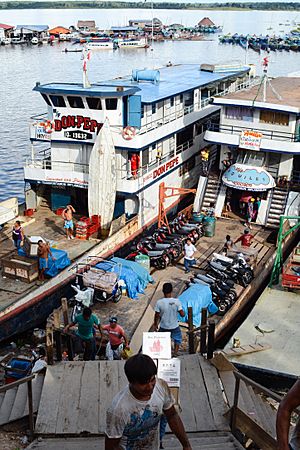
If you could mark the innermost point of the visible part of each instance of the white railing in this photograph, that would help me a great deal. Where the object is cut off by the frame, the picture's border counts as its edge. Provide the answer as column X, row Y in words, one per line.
column 47, row 164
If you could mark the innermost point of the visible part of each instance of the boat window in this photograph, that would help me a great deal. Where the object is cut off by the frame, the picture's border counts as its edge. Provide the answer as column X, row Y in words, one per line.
column 172, row 102
column 75, row 102
column 58, row 100
column 187, row 166
column 153, row 108
column 239, row 113
column 251, row 158
column 142, row 111
column 274, row 117
column 94, row 102
column 111, row 103
column 188, row 98
column 45, row 97
column 198, row 128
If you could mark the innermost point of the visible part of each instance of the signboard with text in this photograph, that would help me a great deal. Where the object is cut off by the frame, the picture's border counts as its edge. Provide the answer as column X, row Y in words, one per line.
column 250, row 140
column 169, row 370
column 157, row 345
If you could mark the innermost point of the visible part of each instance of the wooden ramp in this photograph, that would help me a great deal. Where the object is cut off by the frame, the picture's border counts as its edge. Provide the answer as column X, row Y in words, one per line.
column 14, row 402
column 76, row 396
column 199, row 441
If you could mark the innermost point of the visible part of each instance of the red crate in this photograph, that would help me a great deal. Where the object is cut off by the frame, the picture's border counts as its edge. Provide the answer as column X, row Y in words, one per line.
column 95, row 219
column 59, row 211
column 29, row 212
column 86, row 220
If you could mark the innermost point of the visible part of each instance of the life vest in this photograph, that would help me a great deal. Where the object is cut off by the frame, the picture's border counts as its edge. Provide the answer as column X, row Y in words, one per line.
column 128, row 133
column 134, row 163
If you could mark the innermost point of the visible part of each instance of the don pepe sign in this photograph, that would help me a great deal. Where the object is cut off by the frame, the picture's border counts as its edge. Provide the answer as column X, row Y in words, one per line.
column 250, row 140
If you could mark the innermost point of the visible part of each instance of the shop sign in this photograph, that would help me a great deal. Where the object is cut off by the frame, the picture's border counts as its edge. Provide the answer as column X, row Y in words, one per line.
column 157, row 345
column 241, row 176
column 250, row 140
column 169, row 370
column 41, row 134
column 164, row 168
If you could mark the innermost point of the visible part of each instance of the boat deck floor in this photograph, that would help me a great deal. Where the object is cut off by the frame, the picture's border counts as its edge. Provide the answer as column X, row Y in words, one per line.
column 48, row 225
column 129, row 311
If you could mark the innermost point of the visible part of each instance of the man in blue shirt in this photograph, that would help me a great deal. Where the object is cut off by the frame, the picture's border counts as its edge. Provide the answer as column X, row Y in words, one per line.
column 85, row 331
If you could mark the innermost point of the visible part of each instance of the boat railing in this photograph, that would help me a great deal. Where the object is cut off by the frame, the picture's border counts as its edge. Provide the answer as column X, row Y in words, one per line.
column 238, row 417
column 48, row 164
column 273, row 135
column 41, row 116
column 143, row 170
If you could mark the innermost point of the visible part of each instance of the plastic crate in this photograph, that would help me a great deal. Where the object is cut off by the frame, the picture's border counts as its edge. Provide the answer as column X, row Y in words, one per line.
column 86, row 220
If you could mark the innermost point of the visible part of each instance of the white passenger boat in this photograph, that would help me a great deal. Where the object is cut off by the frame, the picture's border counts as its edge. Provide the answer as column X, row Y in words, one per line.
column 133, row 43
column 157, row 119
column 100, row 45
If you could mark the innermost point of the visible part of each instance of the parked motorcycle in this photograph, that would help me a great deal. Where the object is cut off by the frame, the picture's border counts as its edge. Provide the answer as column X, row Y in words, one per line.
column 158, row 259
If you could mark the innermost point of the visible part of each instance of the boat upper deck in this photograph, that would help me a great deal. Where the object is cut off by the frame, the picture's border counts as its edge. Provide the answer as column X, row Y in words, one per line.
column 174, row 80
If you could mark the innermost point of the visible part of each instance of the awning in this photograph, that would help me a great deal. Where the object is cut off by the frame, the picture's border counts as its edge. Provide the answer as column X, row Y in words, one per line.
column 248, row 178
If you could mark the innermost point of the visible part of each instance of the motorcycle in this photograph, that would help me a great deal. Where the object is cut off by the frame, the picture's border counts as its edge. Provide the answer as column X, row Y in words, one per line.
column 172, row 249
column 158, row 259
column 83, row 298
column 234, row 272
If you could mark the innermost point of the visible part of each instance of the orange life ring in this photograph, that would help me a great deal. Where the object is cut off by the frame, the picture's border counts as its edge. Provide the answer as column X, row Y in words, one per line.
column 128, row 133
column 48, row 126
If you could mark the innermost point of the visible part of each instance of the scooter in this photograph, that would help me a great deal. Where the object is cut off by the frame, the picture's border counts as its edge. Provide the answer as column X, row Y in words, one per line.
column 239, row 275
column 158, row 259
column 171, row 249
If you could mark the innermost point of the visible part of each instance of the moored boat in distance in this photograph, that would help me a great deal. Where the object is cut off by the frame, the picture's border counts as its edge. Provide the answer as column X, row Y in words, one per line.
column 132, row 43
column 105, row 44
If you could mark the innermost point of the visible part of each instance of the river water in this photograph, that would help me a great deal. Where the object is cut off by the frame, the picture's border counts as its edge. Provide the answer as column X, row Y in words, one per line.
column 22, row 66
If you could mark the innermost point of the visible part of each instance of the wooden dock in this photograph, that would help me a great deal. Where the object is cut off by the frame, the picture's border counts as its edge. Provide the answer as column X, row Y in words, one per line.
column 77, row 394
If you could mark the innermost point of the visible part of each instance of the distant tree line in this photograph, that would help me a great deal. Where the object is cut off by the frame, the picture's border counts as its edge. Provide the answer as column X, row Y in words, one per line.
column 274, row 6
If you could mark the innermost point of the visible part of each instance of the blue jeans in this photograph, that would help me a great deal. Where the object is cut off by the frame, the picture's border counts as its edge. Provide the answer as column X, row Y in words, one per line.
column 162, row 427
column 189, row 263
column 17, row 243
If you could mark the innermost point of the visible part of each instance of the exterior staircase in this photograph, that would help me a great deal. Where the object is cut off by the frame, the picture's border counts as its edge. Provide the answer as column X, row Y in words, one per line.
column 277, row 206
column 14, row 399
column 211, row 190
column 207, row 441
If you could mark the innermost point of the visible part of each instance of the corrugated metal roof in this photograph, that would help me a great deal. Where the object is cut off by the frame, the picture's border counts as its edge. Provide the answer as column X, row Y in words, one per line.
column 33, row 27
column 173, row 81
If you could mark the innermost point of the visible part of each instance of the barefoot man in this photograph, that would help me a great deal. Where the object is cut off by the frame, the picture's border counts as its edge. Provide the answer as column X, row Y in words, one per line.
column 43, row 255
column 68, row 218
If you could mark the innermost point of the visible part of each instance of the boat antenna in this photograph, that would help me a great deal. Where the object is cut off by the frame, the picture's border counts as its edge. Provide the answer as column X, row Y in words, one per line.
column 264, row 82
column 86, row 56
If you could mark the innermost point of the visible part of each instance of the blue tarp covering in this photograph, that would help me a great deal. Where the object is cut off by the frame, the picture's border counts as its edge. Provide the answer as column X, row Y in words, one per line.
column 61, row 261
column 134, row 275
column 197, row 296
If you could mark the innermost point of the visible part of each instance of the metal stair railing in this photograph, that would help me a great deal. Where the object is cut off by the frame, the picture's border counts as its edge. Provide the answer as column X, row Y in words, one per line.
column 15, row 384
column 235, row 411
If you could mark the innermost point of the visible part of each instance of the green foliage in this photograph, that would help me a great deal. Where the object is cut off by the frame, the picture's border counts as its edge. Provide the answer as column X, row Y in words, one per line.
column 27, row 4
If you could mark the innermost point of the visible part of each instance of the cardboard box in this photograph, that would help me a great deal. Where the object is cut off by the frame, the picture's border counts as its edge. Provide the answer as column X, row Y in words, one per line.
column 157, row 345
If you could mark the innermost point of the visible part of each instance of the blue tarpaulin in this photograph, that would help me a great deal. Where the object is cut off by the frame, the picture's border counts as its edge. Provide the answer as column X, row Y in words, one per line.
column 134, row 275
column 61, row 261
column 197, row 296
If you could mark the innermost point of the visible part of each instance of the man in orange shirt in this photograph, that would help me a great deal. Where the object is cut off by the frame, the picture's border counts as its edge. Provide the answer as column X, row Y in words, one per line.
column 117, row 339
column 245, row 238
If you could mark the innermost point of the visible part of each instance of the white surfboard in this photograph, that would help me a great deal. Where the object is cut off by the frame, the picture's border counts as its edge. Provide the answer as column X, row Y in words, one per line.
column 102, row 177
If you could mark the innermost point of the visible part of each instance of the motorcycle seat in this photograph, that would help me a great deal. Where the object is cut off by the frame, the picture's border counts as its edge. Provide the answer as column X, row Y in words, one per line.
column 217, row 266
column 205, row 279
column 153, row 253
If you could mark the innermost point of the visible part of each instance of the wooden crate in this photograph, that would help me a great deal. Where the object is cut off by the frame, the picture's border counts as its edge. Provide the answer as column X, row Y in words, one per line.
column 20, row 267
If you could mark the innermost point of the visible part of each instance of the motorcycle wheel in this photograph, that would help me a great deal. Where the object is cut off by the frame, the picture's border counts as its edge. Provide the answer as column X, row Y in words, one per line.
column 249, row 276
column 161, row 264
column 117, row 296
column 222, row 308
column 232, row 295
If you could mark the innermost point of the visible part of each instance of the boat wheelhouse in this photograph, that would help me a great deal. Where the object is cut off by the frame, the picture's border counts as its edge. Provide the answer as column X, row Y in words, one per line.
column 157, row 120
column 259, row 140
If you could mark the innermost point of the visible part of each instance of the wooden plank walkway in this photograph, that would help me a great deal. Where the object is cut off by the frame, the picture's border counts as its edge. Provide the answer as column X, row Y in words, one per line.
column 199, row 441
column 77, row 394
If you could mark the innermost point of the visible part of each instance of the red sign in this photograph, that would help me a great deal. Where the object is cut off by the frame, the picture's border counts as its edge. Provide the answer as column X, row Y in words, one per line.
column 165, row 167
column 85, row 123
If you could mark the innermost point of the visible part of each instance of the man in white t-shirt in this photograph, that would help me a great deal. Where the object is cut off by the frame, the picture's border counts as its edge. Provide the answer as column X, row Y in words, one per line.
column 290, row 402
column 132, row 421
column 166, row 312
column 189, row 251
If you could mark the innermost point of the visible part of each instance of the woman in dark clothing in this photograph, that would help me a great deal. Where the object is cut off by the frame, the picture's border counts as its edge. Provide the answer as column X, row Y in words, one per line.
column 17, row 234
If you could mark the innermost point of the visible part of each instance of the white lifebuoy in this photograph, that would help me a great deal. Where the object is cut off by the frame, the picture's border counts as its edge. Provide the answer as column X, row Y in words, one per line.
column 128, row 133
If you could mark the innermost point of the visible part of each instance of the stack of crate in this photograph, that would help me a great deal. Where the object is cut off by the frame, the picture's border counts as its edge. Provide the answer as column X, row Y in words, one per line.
column 86, row 226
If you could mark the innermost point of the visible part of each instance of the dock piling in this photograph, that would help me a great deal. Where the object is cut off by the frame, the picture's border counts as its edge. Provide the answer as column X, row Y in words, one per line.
column 191, row 334
column 203, row 331
column 211, row 339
